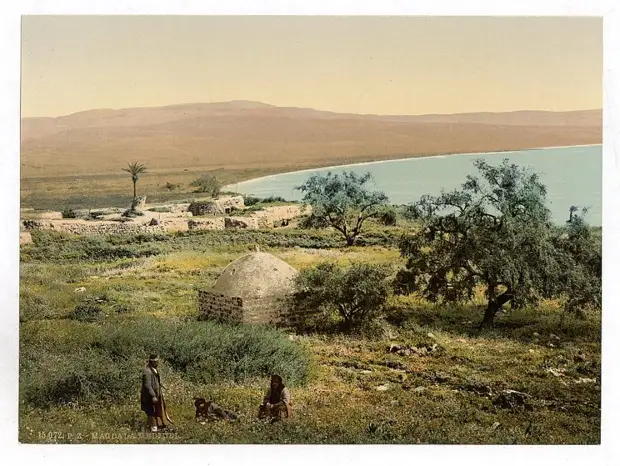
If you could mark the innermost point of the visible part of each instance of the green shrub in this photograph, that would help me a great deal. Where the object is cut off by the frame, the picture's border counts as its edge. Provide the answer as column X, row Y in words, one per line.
column 357, row 293
column 68, row 361
column 388, row 218
column 88, row 310
column 33, row 306
column 68, row 213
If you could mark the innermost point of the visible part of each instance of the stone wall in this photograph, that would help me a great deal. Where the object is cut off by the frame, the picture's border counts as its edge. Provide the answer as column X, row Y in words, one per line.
column 221, row 307
column 83, row 227
column 272, row 216
column 216, row 223
column 269, row 217
column 214, row 305
column 241, row 222
column 204, row 208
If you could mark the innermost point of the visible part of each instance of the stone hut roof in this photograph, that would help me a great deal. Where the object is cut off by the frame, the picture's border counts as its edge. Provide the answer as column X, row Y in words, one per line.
column 256, row 275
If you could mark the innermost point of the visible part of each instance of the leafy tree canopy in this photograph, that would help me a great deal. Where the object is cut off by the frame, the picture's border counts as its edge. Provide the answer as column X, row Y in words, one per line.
column 344, row 201
column 495, row 231
column 357, row 293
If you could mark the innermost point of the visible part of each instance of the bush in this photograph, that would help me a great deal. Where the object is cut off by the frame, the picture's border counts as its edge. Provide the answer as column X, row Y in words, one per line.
column 313, row 222
column 68, row 213
column 251, row 200
column 33, row 306
column 88, row 310
column 357, row 294
column 97, row 363
column 207, row 184
column 388, row 218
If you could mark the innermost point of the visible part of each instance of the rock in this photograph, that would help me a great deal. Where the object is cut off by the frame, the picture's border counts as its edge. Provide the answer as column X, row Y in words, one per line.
column 382, row 388
column 366, row 371
column 551, row 345
column 495, row 425
column 554, row 337
column 419, row 389
column 535, row 334
column 556, row 372
column 394, row 402
column 81, row 289
column 531, row 351
column 511, row 399
column 25, row 237
column 585, row 380
column 430, row 335
column 153, row 222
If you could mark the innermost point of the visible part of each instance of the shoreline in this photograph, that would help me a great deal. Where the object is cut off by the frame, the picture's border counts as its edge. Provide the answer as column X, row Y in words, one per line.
column 231, row 187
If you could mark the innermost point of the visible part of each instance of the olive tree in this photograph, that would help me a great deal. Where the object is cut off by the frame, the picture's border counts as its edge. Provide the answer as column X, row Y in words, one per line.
column 495, row 232
column 343, row 201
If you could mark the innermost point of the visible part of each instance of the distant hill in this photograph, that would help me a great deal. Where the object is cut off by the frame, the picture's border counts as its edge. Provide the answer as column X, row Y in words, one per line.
column 243, row 134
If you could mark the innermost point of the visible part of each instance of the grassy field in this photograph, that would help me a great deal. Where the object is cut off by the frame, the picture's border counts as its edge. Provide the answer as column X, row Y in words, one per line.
column 81, row 353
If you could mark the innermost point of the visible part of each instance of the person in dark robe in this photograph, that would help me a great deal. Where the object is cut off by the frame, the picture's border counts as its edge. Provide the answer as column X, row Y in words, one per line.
column 277, row 401
column 151, row 396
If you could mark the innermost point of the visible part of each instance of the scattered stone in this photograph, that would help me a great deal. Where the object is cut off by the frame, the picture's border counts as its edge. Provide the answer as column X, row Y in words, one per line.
column 579, row 357
column 585, row 380
column 554, row 337
column 556, row 372
column 419, row 389
column 531, row 351
column 551, row 345
column 430, row 335
column 366, row 371
column 382, row 388
column 81, row 289
column 495, row 425
column 461, row 340
column 394, row 402
column 153, row 222
column 512, row 399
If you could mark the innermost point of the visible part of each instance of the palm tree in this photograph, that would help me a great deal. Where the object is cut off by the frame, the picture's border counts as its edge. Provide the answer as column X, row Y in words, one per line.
column 135, row 169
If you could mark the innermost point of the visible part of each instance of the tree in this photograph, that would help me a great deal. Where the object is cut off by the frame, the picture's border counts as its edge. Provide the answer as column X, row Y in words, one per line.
column 581, row 265
column 357, row 293
column 343, row 201
column 207, row 184
column 135, row 169
column 495, row 232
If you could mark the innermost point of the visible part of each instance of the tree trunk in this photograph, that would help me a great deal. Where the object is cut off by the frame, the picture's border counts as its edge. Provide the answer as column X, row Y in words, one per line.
column 493, row 307
column 351, row 240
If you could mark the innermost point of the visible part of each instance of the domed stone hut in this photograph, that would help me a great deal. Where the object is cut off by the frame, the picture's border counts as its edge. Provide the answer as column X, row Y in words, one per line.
column 252, row 289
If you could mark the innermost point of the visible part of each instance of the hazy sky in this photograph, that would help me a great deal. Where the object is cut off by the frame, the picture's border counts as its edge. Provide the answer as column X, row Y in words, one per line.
column 390, row 65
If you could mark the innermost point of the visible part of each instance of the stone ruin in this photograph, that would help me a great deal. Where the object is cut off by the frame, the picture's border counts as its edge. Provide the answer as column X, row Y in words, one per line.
column 222, row 206
column 251, row 290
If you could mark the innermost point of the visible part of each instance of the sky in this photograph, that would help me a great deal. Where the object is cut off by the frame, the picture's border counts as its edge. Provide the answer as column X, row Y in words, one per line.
column 380, row 65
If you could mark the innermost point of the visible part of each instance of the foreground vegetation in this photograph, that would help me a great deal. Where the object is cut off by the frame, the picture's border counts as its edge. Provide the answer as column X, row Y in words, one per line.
column 422, row 373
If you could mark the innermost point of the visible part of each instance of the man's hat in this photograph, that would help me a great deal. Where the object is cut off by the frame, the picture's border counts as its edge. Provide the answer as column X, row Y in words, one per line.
column 153, row 357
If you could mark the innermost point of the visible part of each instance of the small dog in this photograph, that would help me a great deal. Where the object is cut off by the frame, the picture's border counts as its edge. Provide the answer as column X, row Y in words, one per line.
column 210, row 411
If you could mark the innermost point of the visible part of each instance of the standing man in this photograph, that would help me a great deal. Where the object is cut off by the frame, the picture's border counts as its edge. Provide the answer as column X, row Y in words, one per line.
column 151, row 397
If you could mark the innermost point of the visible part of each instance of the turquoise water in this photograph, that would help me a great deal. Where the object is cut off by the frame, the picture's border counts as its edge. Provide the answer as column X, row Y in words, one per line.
column 573, row 176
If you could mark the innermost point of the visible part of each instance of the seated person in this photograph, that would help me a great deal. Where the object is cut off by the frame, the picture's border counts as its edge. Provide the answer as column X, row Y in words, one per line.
column 277, row 401
column 210, row 411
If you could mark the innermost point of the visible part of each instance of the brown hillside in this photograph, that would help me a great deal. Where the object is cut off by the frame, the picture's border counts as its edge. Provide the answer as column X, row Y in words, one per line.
column 243, row 134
